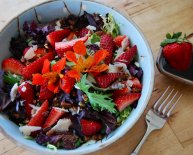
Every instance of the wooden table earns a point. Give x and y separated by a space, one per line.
155 18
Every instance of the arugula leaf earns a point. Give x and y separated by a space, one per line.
28 137
98 100
11 78
124 115
110 26
95 38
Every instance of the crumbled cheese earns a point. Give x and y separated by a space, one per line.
13 92
117 85
62 125
124 43
27 130
34 110
118 67
90 27
23 89
30 52
118 52
129 83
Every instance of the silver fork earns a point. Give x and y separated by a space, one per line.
157 116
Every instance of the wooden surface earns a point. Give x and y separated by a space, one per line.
155 18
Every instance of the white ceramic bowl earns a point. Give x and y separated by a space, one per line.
56 9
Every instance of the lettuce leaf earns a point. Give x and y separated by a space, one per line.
124 115
98 100
110 26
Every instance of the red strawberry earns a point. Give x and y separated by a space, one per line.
178 55
53 117
104 80
83 32
136 83
36 66
57 36
119 41
62 47
123 101
120 92
27 93
89 127
127 57
45 93
177 51
12 65
40 117
67 83
106 43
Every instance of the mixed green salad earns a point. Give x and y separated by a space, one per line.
69 81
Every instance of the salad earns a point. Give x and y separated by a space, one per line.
70 81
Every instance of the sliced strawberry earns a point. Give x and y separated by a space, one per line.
40 116
106 43
63 47
67 83
57 36
89 127
120 92
125 100
27 93
12 65
36 66
136 83
83 32
118 40
104 80
127 56
45 93
53 117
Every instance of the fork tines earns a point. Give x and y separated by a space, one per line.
167 102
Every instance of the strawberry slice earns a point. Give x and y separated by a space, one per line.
83 32
45 93
89 127
27 93
106 43
121 41
125 100
57 36
67 84
40 116
120 92
36 66
136 83
54 116
127 56
12 65
104 80
63 47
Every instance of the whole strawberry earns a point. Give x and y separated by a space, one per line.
177 51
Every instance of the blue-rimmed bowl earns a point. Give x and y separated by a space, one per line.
57 9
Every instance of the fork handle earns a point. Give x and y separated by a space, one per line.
137 149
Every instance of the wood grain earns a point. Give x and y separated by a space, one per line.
155 18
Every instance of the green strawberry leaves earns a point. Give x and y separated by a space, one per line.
176 37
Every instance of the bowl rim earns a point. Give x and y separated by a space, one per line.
142 109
